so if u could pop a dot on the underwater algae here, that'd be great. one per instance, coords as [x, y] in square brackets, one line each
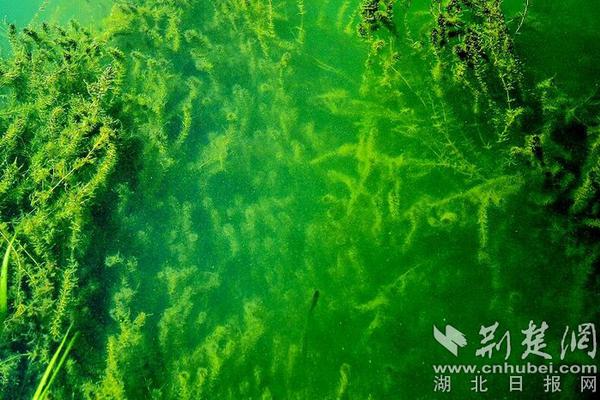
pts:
[263, 199]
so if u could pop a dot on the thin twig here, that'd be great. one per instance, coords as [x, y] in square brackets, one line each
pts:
[22, 248]
[523, 16]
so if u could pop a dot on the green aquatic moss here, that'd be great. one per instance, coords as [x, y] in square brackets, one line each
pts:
[58, 150]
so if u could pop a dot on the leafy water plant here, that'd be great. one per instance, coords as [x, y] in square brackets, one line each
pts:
[58, 148]
[186, 175]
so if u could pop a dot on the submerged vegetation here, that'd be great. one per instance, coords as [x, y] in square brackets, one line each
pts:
[4, 281]
[53, 368]
[278, 199]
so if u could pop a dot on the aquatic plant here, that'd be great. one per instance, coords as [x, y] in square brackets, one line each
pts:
[187, 175]
[57, 152]
[53, 368]
[4, 281]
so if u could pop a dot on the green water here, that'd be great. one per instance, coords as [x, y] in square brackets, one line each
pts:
[269, 199]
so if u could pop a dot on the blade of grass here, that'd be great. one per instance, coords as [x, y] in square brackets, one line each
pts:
[49, 368]
[59, 365]
[22, 248]
[4, 281]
